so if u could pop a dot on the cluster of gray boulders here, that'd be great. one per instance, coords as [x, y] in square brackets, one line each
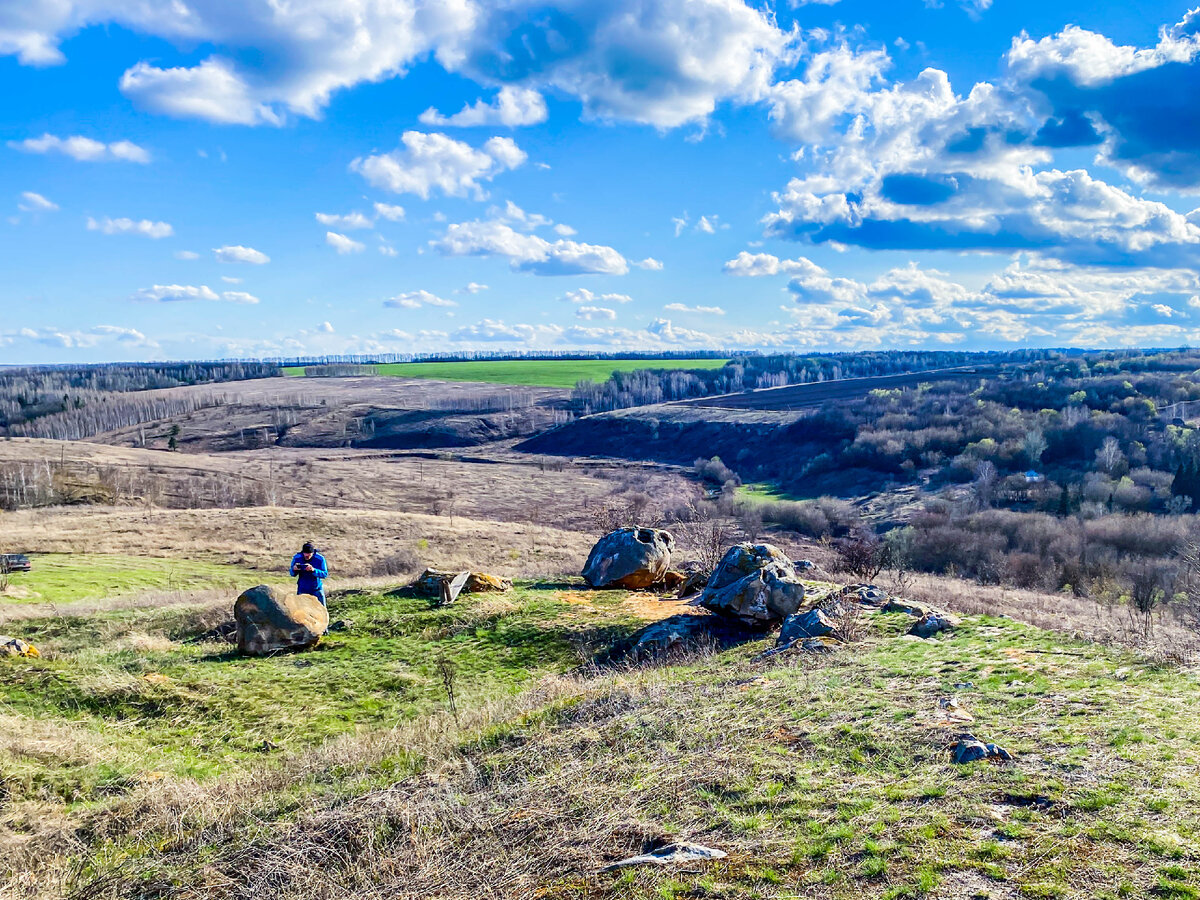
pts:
[754, 587]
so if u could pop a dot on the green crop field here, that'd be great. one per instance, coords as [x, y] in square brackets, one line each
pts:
[180, 769]
[562, 373]
[68, 577]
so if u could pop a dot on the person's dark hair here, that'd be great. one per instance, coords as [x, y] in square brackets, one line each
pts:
[308, 548]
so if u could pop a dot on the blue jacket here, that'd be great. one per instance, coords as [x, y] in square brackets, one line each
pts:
[310, 582]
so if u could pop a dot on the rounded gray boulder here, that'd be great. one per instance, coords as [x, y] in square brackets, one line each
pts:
[631, 558]
[755, 583]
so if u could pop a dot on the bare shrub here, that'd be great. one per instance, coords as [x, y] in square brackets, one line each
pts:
[715, 471]
[863, 554]
[705, 534]
[402, 562]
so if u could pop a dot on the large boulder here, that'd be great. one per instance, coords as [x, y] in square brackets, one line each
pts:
[754, 583]
[631, 558]
[270, 620]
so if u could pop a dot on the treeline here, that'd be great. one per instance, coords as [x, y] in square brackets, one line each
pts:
[747, 372]
[48, 482]
[360, 359]
[32, 393]
[98, 412]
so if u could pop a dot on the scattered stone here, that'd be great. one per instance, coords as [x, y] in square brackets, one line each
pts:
[801, 645]
[964, 685]
[813, 623]
[899, 605]
[694, 583]
[754, 583]
[968, 749]
[483, 583]
[13, 646]
[446, 586]
[630, 558]
[669, 855]
[867, 594]
[341, 625]
[156, 678]
[933, 623]
[267, 746]
[269, 620]
[804, 565]
[950, 712]
[674, 633]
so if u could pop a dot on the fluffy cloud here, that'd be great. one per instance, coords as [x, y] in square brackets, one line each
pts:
[186, 254]
[591, 313]
[496, 331]
[343, 244]
[236, 253]
[668, 333]
[702, 310]
[429, 162]
[34, 202]
[913, 165]
[73, 339]
[662, 63]
[1134, 104]
[349, 221]
[513, 106]
[1033, 298]
[82, 148]
[475, 287]
[143, 227]
[650, 264]
[176, 293]
[389, 212]
[528, 252]
[583, 295]
[417, 299]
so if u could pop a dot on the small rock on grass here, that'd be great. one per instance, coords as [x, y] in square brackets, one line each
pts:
[670, 854]
[968, 749]
[933, 623]
[813, 623]
[13, 646]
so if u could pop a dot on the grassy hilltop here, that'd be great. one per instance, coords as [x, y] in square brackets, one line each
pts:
[140, 760]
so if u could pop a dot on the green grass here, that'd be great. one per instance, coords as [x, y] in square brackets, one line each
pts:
[68, 577]
[760, 490]
[204, 708]
[562, 373]
[820, 776]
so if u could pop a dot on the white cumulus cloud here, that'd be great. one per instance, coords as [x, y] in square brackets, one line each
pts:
[426, 163]
[84, 149]
[236, 253]
[343, 244]
[34, 202]
[513, 107]
[417, 299]
[143, 227]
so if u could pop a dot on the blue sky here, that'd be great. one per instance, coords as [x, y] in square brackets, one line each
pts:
[204, 179]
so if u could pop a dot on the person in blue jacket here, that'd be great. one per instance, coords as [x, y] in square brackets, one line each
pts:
[310, 571]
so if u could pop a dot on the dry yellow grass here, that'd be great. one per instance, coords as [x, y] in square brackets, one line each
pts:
[495, 484]
[265, 538]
